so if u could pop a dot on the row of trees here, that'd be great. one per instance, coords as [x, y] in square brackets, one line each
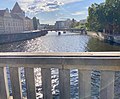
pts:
[105, 16]
[78, 25]
[35, 23]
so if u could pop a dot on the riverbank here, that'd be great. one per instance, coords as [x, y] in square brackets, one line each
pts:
[8, 38]
[92, 34]
[105, 37]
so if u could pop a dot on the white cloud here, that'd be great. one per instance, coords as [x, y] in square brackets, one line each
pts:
[79, 13]
[35, 6]
[86, 7]
[68, 1]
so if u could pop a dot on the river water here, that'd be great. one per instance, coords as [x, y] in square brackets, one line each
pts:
[68, 42]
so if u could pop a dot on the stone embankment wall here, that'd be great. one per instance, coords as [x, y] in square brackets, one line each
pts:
[95, 35]
[7, 38]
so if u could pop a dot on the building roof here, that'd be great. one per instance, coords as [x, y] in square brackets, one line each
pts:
[16, 8]
[27, 18]
[2, 12]
[60, 21]
[15, 16]
[83, 21]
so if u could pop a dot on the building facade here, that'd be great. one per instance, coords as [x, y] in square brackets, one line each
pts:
[14, 21]
[43, 26]
[83, 21]
[1, 23]
[28, 23]
[63, 24]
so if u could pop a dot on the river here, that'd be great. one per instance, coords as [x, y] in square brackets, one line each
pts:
[68, 42]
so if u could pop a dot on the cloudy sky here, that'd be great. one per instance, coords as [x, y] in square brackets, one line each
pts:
[48, 11]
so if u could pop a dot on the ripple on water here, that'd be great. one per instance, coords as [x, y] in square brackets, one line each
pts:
[69, 42]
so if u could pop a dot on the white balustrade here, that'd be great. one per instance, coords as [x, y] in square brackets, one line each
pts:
[107, 63]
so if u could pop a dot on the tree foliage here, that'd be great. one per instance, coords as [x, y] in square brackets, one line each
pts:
[35, 23]
[104, 16]
[77, 25]
[73, 24]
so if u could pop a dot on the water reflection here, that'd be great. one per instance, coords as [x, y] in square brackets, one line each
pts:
[69, 42]
[95, 45]
[50, 43]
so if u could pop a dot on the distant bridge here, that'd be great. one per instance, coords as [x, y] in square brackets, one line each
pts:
[82, 31]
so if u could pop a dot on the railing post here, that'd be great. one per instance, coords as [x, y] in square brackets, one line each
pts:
[30, 83]
[64, 83]
[4, 93]
[107, 85]
[84, 78]
[46, 83]
[16, 82]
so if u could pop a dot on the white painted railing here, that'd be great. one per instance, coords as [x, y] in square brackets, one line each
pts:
[107, 63]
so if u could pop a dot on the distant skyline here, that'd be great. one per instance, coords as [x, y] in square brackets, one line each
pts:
[49, 11]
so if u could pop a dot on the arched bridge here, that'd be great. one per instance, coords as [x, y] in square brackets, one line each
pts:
[65, 29]
[72, 30]
[82, 31]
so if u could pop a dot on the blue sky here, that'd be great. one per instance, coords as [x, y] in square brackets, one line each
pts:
[48, 11]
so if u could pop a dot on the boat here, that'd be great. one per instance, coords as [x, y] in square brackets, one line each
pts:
[109, 38]
[59, 33]
[117, 39]
[64, 31]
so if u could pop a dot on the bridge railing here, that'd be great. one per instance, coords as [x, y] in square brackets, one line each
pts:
[107, 63]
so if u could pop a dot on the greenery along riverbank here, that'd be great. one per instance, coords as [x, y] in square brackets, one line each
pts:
[104, 17]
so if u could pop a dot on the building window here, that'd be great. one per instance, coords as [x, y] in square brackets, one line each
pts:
[8, 24]
[1, 24]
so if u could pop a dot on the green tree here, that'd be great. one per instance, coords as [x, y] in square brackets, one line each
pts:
[104, 16]
[73, 24]
[93, 23]
[35, 23]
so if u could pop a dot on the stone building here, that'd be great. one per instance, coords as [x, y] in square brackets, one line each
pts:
[14, 21]
[60, 25]
[28, 23]
[83, 21]
[63, 24]
[1, 21]
[18, 11]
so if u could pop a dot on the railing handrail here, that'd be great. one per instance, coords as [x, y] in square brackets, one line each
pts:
[63, 54]
[85, 62]
[79, 60]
